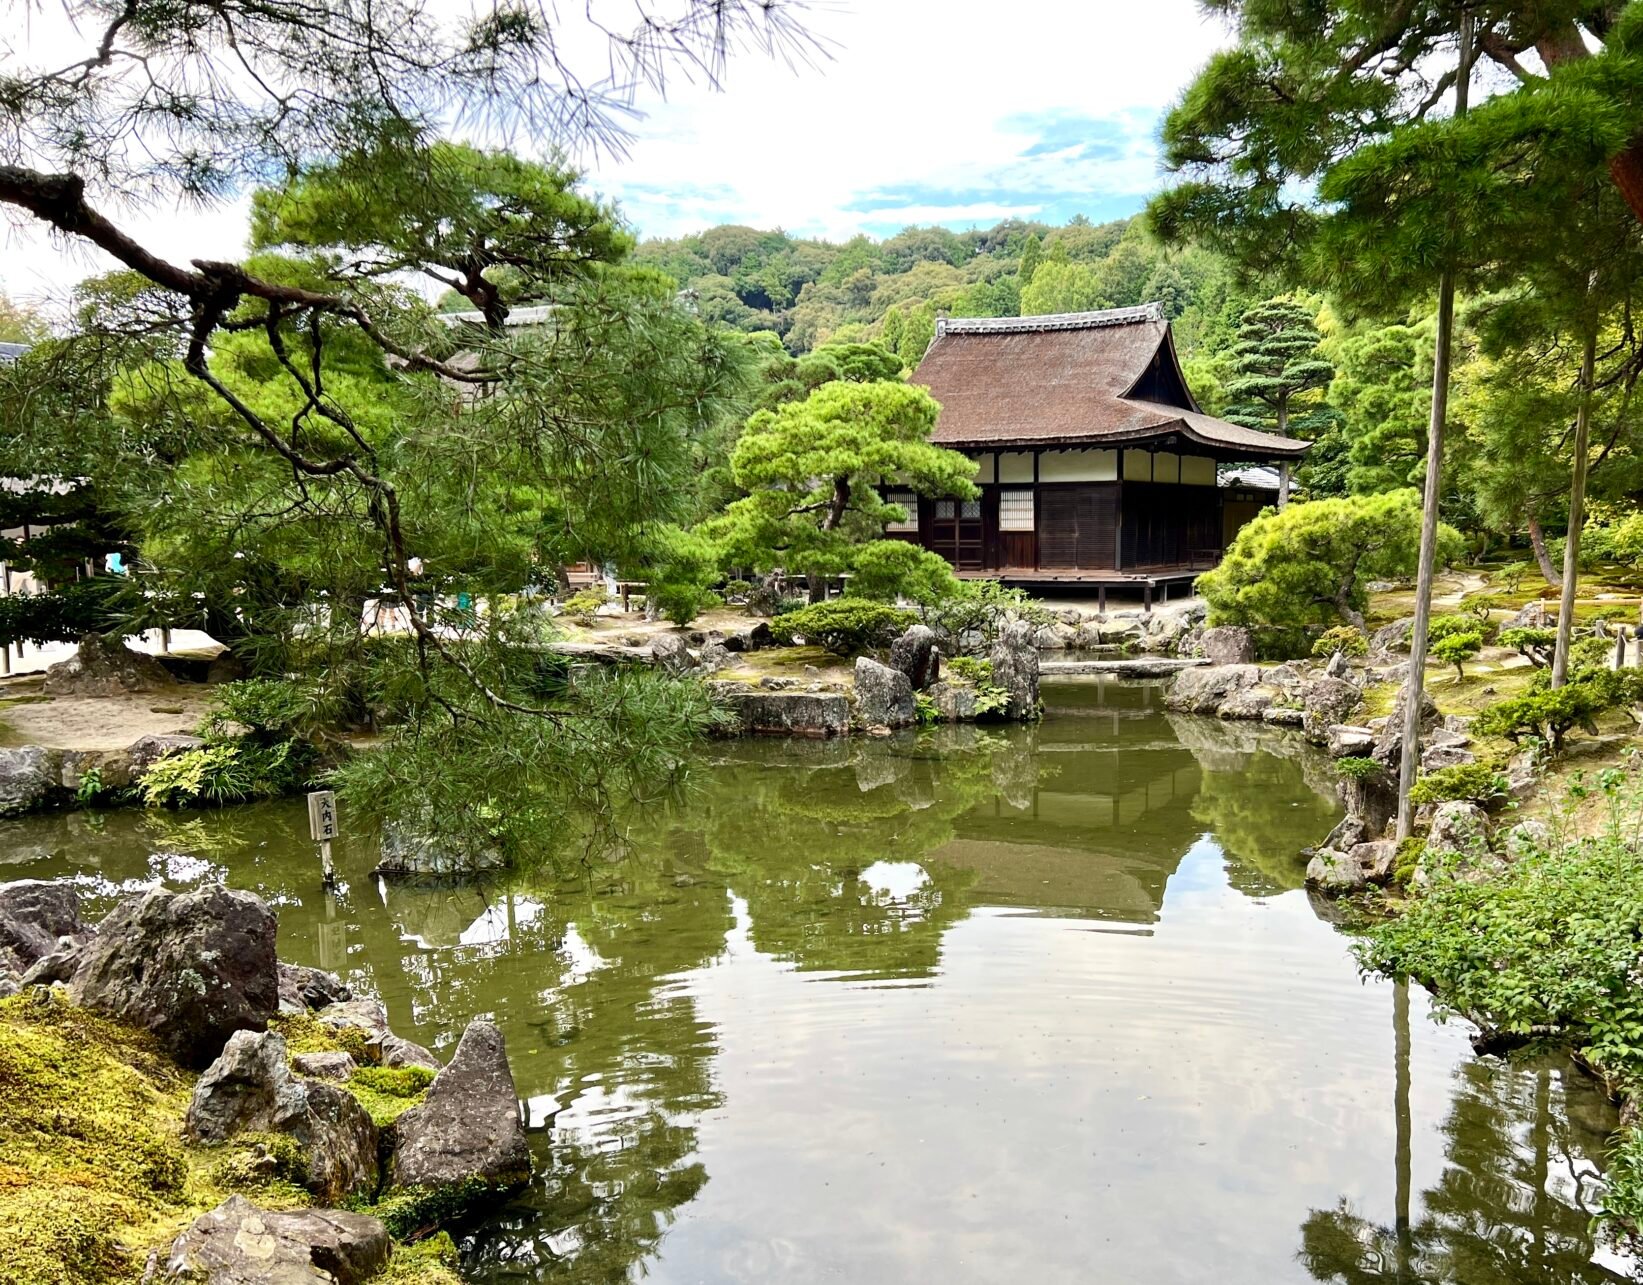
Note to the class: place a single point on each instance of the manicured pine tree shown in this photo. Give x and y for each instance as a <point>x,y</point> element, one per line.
<point>1276,366</point>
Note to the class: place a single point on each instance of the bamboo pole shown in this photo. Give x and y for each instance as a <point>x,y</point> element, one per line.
<point>1414,687</point>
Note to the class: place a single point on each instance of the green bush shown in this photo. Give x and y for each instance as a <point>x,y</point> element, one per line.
<point>1509,577</point>
<point>65,615</point>
<point>969,669</point>
<point>1342,638</point>
<point>1472,782</point>
<point>1590,652</point>
<point>1534,645</point>
<point>583,605</point>
<point>979,610</point>
<point>681,602</point>
<point>1551,713</point>
<point>1442,626</point>
<point>1456,648</point>
<point>268,709</point>
<point>890,570</point>
<point>843,626</point>
<point>1356,767</point>
<point>680,574</point>
<point>235,771</point>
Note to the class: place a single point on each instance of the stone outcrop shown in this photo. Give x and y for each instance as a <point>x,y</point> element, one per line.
<point>1015,669</point>
<point>28,778</point>
<point>1204,690</point>
<point>1338,873</point>
<point>405,852</point>
<point>1328,701</point>
<point>191,968</point>
<point>325,1066</point>
<point>1228,645</point>
<point>755,712</point>
<point>146,751</point>
<point>916,655</point>
<point>955,702</point>
<point>1389,743</point>
<point>303,988</point>
<point>672,654</point>
<point>240,1244</point>
<point>250,1089</point>
<point>1346,741</point>
<point>105,666</point>
<point>369,1016</point>
<point>39,920</point>
<point>884,696</point>
<point>467,1128</point>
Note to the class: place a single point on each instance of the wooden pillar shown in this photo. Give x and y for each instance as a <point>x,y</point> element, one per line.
<point>1101,601</point>
<point>1283,484</point>
<point>1146,597</point>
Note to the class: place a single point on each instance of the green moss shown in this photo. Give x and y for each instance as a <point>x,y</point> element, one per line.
<point>305,1033</point>
<point>387,1093</point>
<point>1406,860</point>
<point>409,1212</point>
<point>428,1262</point>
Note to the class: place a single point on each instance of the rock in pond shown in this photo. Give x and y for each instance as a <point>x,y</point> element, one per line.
<point>1015,669</point>
<point>38,918</point>
<point>190,967</point>
<point>1328,701</point>
<point>1228,645</point>
<point>251,1089</point>
<point>28,778</point>
<point>370,1016</point>
<point>407,853</point>
<point>303,988</point>
<point>915,655</point>
<point>239,1244</point>
<point>1205,689</point>
<point>884,696</point>
<point>468,1128</point>
<point>756,712</point>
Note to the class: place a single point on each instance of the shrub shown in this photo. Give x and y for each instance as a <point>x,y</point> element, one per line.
<point>1590,652</point>
<point>234,771</point>
<point>1471,782</point>
<point>680,574</point>
<point>888,570</point>
<point>1509,577</point>
<point>1342,638</point>
<point>969,669</point>
<point>1550,713</point>
<point>583,605</point>
<point>844,626</point>
<point>1456,648</point>
<point>1307,566</point>
<point>1442,626</point>
<point>268,709</point>
<point>1534,645</point>
<point>682,602</point>
<point>978,611</point>
<point>1356,767</point>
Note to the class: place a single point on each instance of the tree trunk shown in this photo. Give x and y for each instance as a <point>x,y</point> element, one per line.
<point>1537,542</point>
<point>1566,45</point>
<point>838,504</point>
<point>1410,756</point>
<point>1577,511</point>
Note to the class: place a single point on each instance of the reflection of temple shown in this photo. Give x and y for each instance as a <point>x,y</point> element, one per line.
<point>1111,805</point>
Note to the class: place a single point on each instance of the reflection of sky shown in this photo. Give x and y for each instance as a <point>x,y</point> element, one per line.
<point>1061,1104</point>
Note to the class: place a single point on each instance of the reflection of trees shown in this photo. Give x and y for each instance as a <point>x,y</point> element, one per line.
<point>1265,795</point>
<point>1515,1202</point>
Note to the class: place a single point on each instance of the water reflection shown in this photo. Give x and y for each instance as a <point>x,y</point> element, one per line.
<point>975,1004</point>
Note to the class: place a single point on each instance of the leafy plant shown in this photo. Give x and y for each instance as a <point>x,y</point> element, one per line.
<point>1456,648</point>
<point>974,615</point>
<point>263,709</point>
<point>1550,713</point>
<point>991,700</point>
<point>234,771</point>
<point>1510,577</point>
<point>1472,782</point>
<point>892,570</point>
<point>1342,638</point>
<point>1534,645</point>
<point>90,787</point>
<point>970,669</point>
<point>583,605</point>
<point>925,709</point>
<point>1357,768</point>
<point>843,626</point>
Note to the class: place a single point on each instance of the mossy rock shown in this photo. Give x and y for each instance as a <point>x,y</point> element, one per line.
<point>387,1093</point>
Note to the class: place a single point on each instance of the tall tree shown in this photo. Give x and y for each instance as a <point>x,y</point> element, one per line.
<point>1278,371</point>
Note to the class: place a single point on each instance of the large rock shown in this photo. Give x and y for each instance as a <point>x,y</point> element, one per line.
<point>752,712</point>
<point>1015,669</point>
<point>1389,743</point>
<point>884,696</point>
<point>28,778</point>
<point>190,967</point>
<point>406,852</point>
<point>303,988</point>
<point>38,918</point>
<point>239,1244</point>
<point>369,1016</point>
<point>955,702</point>
<point>468,1128</point>
<point>1392,638</point>
<point>251,1089</point>
<point>915,655</point>
<point>1328,701</point>
<point>1228,645</point>
<point>105,666</point>
<point>1337,872</point>
<point>1251,703</point>
<point>1204,689</point>
<point>144,752</point>
<point>1458,827</point>
<point>1346,741</point>
<point>672,654</point>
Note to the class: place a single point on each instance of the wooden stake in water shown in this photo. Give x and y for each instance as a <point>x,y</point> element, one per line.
<point>322,825</point>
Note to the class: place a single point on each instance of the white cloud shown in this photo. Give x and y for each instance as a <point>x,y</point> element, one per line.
<point>958,112</point>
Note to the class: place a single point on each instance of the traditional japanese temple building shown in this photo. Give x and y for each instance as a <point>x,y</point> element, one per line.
<point>1095,463</point>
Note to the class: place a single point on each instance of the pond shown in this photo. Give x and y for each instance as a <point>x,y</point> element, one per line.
<point>1039,1004</point>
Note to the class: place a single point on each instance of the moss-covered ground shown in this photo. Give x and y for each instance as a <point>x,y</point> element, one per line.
<point>94,1170</point>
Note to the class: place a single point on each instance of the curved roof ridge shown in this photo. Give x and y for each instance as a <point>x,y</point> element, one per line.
<point>1146,312</point>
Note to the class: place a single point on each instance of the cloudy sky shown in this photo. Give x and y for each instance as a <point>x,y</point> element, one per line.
<point>927,111</point>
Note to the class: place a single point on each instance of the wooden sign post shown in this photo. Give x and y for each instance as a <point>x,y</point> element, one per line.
<point>322,825</point>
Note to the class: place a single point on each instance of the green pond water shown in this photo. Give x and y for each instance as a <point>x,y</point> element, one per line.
<point>1040,1004</point>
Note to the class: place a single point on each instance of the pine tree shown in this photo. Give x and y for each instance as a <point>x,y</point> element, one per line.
<point>1032,254</point>
<point>1277,367</point>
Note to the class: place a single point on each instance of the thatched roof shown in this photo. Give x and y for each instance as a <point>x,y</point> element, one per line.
<point>1075,379</point>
